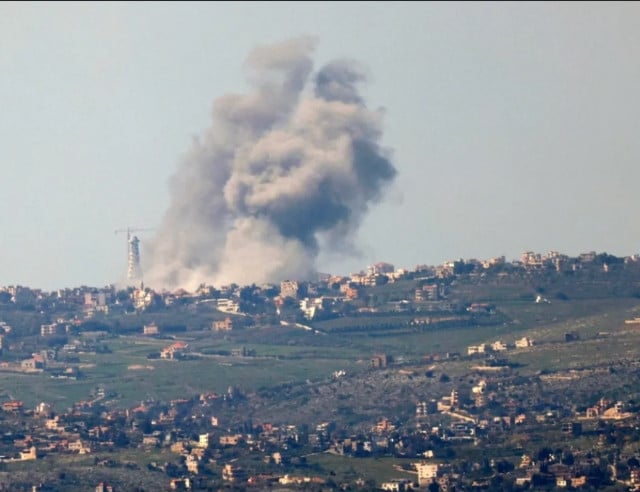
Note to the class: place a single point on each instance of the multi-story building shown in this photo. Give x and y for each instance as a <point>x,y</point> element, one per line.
<point>289,288</point>
<point>380,268</point>
<point>427,473</point>
<point>223,325</point>
<point>50,329</point>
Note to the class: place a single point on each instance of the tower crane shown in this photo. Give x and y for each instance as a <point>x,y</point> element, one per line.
<point>129,230</point>
<point>134,271</point>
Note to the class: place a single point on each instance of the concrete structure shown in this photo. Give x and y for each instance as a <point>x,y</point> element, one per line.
<point>224,325</point>
<point>380,268</point>
<point>289,288</point>
<point>524,342</point>
<point>150,329</point>
<point>427,473</point>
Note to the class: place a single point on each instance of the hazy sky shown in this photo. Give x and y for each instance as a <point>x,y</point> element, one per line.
<point>514,125</point>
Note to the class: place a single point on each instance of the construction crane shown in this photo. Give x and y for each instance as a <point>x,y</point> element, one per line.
<point>134,271</point>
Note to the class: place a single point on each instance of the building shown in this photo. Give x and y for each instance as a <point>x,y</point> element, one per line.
<point>224,325</point>
<point>104,487</point>
<point>531,259</point>
<point>498,346</point>
<point>203,441</point>
<point>50,329</point>
<point>524,342</point>
<point>35,362</point>
<point>230,440</point>
<point>397,485</point>
<point>227,305</point>
<point>379,360</point>
<point>232,473</point>
<point>427,473</point>
<point>192,463</point>
<point>174,351</point>
<point>134,271</point>
<point>476,349</point>
<point>380,268</point>
<point>289,288</point>
<point>150,329</point>
<point>351,293</point>
<point>180,484</point>
<point>384,425</point>
<point>28,454</point>
<point>428,292</point>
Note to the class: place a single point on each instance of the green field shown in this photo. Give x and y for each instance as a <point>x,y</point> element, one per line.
<point>288,355</point>
<point>346,468</point>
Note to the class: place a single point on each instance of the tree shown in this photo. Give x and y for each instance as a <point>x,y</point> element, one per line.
<point>544,454</point>
<point>123,296</point>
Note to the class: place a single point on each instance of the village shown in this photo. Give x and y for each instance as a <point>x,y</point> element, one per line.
<point>446,420</point>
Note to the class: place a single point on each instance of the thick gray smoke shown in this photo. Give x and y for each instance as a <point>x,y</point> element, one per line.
<point>281,172</point>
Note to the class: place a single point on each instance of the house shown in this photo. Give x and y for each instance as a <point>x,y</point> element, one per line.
<point>29,454</point>
<point>203,441</point>
<point>524,342</point>
<point>180,484</point>
<point>224,325</point>
<point>289,288</point>
<point>79,447</point>
<point>476,349</point>
<point>227,305</point>
<point>380,268</point>
<point>192,464</point>
<point>480,307</point>
<point>479,388</point>
<point>293,480</point>
<point>12,406</point>
<point>384,425</point>
<point>150,329</point>
<point>351,293</point>
<point>231,473</point>
<point>447,402</point>
<point>104,487</point>
<point>397,485</point>
<point>427,473</point>
<point>578,481</point>
<point>498,346</point>
<point>34,363</point>
<point>524,480</point>
<point>174,351</point>
<point>150,440</point>
<point>230,440</point>
<point>50,329</point>
<point>593,412</point>
<point>379,360</point>
<point>177,447</point>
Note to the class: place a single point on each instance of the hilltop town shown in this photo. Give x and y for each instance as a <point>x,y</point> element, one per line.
<point>471,375</point>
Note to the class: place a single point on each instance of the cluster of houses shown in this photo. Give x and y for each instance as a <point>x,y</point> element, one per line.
<point>499,346</point>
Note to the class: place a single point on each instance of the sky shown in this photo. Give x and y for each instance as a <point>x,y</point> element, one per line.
<point>513,126</point>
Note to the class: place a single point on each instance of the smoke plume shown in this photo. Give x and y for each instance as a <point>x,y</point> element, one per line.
<point>282,172</point>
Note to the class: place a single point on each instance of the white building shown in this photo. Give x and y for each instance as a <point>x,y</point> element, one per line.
<point>427,473</point>
<point>476,349</point>
<point>524,342</point>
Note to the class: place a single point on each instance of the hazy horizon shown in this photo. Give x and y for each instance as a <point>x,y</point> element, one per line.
<point>510,125</point>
